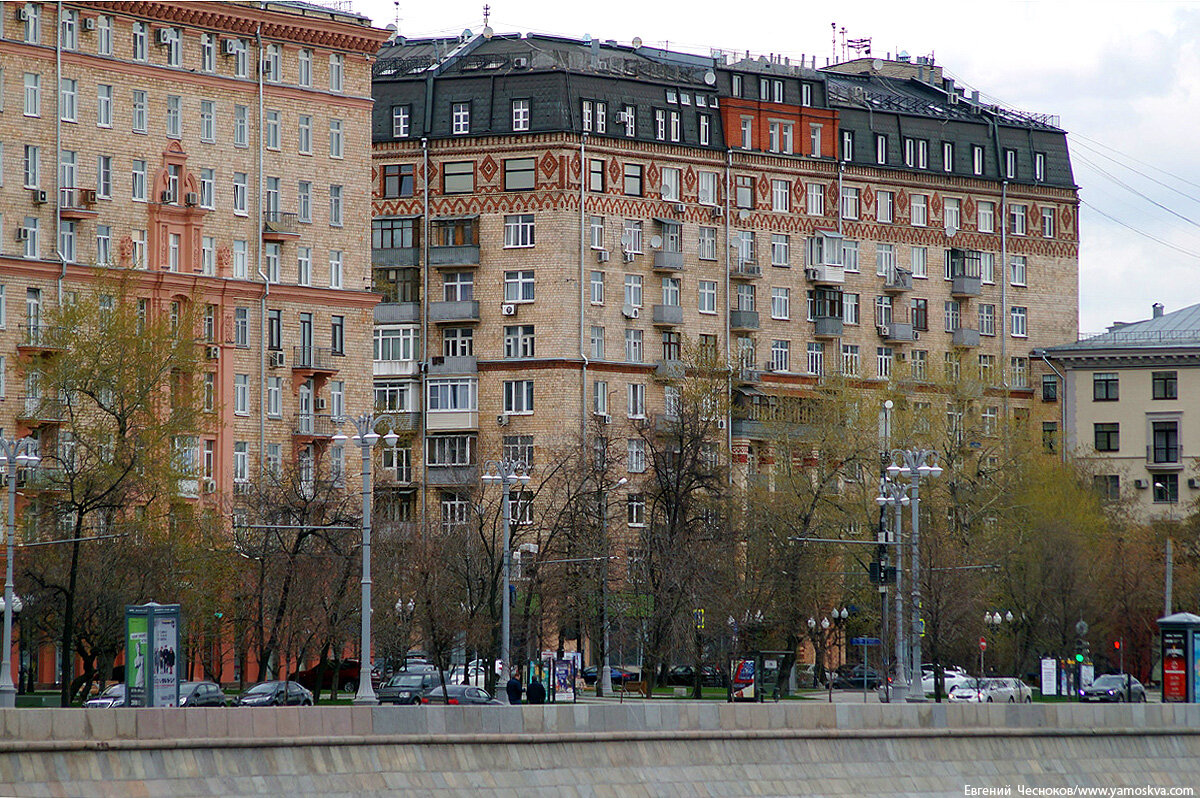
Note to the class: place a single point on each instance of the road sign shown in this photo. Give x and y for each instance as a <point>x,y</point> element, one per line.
<point>983,644</point>
<point>864,641</point>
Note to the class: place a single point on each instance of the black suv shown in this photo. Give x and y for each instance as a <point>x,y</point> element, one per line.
<point>406,686</point>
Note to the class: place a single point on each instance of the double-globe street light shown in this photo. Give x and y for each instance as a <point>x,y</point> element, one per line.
<point>604,680</point>
<point>366,437</point>
<point>15,453</point>
<point>913,465</point>
<point>895,495</point>
<point>505,473</point>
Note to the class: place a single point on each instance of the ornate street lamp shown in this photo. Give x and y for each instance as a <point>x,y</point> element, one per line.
<point>15,453</point>
<point>504,473</point>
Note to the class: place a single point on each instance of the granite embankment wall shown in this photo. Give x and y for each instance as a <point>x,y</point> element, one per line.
<point>643,749</point>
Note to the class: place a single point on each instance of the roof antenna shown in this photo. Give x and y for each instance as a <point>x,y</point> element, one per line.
<point>396,3</point>
<point>487,10</point>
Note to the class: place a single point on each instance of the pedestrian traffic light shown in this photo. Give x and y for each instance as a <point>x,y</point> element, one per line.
<point>1116,645</point>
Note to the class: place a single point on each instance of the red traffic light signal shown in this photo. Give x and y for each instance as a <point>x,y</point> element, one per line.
<point>1116,645</point>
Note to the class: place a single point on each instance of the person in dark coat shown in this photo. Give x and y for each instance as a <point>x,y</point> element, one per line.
<point>513,688</point>
<point>536,692</point>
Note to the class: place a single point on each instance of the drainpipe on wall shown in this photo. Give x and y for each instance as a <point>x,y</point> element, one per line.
<point>1062,402</point>
<point>262,312</point>
<point>1004,320</point>
<point>728,325</point>
<point>425,359</point>
<point>62,261</point>
<point>583,245</point>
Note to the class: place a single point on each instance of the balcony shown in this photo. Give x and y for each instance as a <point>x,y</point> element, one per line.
<point>747,375</point>
<point>825,274</point>
<point>451,420</point>
<point>965,286</point>
<point>77,203</point>
<point>827,327</point>
<point>668,370</point>
<point>965,337</point>
<point>279,226</point>
<point>41,338</point>
<point>665,261</point>
<point>396,256</point>
<point>750,428</point>
<point>398,313</point>
<point>312,425</point>
<point>897,331</point>
<point>446,476</point>
<point>453,365</point>
<point>36,411</point>
<point>460,255</point>
<point>745,270</point>
<point>897,281</point>
<point>395,368</point>
<point>401,420</point>
<point>314,358</point>
<point>743,319</point>
<point>463,310</point>
<point>667,315</point>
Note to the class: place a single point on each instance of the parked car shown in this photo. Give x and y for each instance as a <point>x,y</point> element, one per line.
<point>202,694</point>
<point>1007,689</point>
<point>347,676</point>
<point>953,678</point>
<point>619,675</point>
<point>459,694</point>
<point>808,675</point>
<point>856,677</point>
<point>685,676</point>
<point>275,694</point>
<point>406,687</point>
<point>1116,687</point>
<point>113,696</point>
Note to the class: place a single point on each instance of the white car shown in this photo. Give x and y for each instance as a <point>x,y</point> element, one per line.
<point>954,677</point>
<point>1007,689</point>
<point>970,690</point>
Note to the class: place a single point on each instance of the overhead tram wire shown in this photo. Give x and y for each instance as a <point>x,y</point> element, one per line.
<point>1142,233</point>
<point>1140,173</point>
<point>1135,192</point>
<point>1131,158</point>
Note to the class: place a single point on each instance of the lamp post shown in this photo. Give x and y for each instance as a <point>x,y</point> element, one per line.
<point>895,495</point>
<point>913,465</point>
<point>505,472</point>
<point>992,621</point>
<point>366,437</point>
<point>604,681</point>
<point>14,453</point>
<point>405,610</point>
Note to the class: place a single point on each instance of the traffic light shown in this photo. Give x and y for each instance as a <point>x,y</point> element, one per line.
<point>1079,649</point>
<point>1116,645</point>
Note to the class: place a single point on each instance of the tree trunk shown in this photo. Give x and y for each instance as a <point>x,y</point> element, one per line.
<point>68,633</point>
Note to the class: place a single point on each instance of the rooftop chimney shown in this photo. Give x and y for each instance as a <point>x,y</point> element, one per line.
<point>1157,307</point>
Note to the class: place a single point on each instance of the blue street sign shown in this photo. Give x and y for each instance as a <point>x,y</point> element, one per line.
<point>864,641</point>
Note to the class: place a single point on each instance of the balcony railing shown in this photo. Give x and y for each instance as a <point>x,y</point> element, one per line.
<point>965,336</point>
<point>452,475</point>
<point>318,358</point>
<point>898,280</point>
<point>460,255</point>
<point>743,319</point>
<point>397,312</point>
<point>463,310</point>
<point>667,315</point>
<point>965,286</point>
<point>316,425</point>
<point>825,274</point>
<point>461,364</point>
<point>43,408</point>
<point>396,256</point>
<point>745,269</point>
<point>279,223</point>
<point>827,326</point>
<point>666,261</point>
<point>668,370</point>
<point>77,203</point>
<point>41,336</point>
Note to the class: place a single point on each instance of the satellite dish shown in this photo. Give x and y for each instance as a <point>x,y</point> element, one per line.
<point>710,78</point>
<point>488,32</point>
<point>951,230</point>
<point>637,42</point>
<point>877,64</point>
<point>390,26</point>
<point>626,239</point>
<point>587,38</point>
<point>656,241</point>
<point>743,214</point>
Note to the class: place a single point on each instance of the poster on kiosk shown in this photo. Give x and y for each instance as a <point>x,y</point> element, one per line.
<point>152,661</point>
<point>1180,666</point>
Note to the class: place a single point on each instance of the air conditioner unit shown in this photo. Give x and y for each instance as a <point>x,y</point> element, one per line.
<point>166,35</point>
<point>916,335</point>
<point>884,329</point>
<point>680,207</point>
<point>721,423</point>
<point>1193,483</point>
<point>39,196</point>
<point>602,255</point>
<point>212,352</point>
<point>89,23</point>
<point>191,199</point>
<point>167,197</point>
<point>812,274</point>
<point>508,309</point>
<point>278,359</point>
<point>605,418</point>
<point>621,118</point>
<point>210,486</point>
<point>241,488</point>
<point>520,61</point>
<point>502,420</point>
<point>232,46</point>
<point>629,311</point>
<point>22,233</point>
<point>87,196</point>
<point>625,253</point>
<point>1141,484</point>
<point>635,312</point>
<point>322,403</point>
<point>717,211</point>
<point>22,14</point>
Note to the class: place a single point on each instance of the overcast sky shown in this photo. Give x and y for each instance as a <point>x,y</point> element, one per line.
<point>1123,77</point>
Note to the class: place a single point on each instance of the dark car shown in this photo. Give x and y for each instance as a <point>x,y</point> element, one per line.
<point>1116,687</point>
<point>685,676</point>
<point>856,677</point>
<point>202,694</point>
<point>275,694</point>
<point>459,694</point>
<point>406,687</point>
<point>347,676</point>
<point>619,675</point>
<point>114,696</point>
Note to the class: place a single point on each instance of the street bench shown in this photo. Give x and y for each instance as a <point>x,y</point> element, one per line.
<point>637,688</point>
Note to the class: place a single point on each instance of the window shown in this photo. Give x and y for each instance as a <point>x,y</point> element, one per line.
<point>174,116</point>
<point>633,180</point>
<point>518,286</point>
<point>976,159</point>
<point>744,191</point>
<point>1018,218</point>
<point>1017,269</point>
<point>851,360</point>
<point>885,260</point>
<point>635,460</point>
<point>660,124</point>
<point>1165,384</point>
<point>335,206</point>
<point>952,213</point>
<point>707,188</point>
<point>987,217</point>
<point>241,126</point>
<point>336,147</point>
<point>636,404</point>
<point>947,156</point>
<point>518,448</point>
<point>460,118</point>
<point>1105,387</point>
<point>636,509</point>
<point>629,117</point>
<point>953,315</point>
<point>458,286</point>
<point>401,121</point>
<point>880,149</point>
<point>884,207</point>
<point>631,236</point>
<point>814,140</point>
<point>241,394</point>
<point>597,341</point>
<point>304,134</point>
<point>922,154</point>
<point>336,73</point>
<point>1047,223</point>
<point>634,352</point>
<point>987,319</point>
<point>520,174</point>
<point>458,342</point>
<point>919,210</point>
<point>850,256</point>
<point>747,132</point>
<point>920,314</point>
<point>458,177</point>
<point>670,184</point>
<point>987,267</point>
<point>850,309</point>
<point>1010,164</point>
<point>919,261</point>
<point>68,98</point>
<point>397,180</point>
<point>519,341</point>
<point>104,98</point>
<point>518,396</point>
<point>304,265</point>
<point>780,137</point>
<point>780,355</point>
<point>816,358</point>
<point>1108,486</point>
<point>1049,388</point>
<point>850,202</point>
<point>1020,322</point>
<point>208,124</point>
<point>600,397</point>
<point>987,369</point>
<point>633,290</point>
<point>910,152</point>
<point>138,185</point>
<point>452,395</point>
<point>781,195</point>
<point>1165,437</point>
<point>780,249</point>
<point>670,291</point>
<point>1107,437</point>
<point>1039,166</point>
<point>141,35</point>
<point>707,296</point>
<point>919,364</point>
<point>707,247</point>
<point>103,250</point>
<point>518,232</point>
<point>33,94</point>
<point>597,288</point>
<point>1166,488</point>
<point>883,362</point>
<point>847,145</point>
<point>239,193</point>
<point>241,328</point>
<point>705,129</point>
